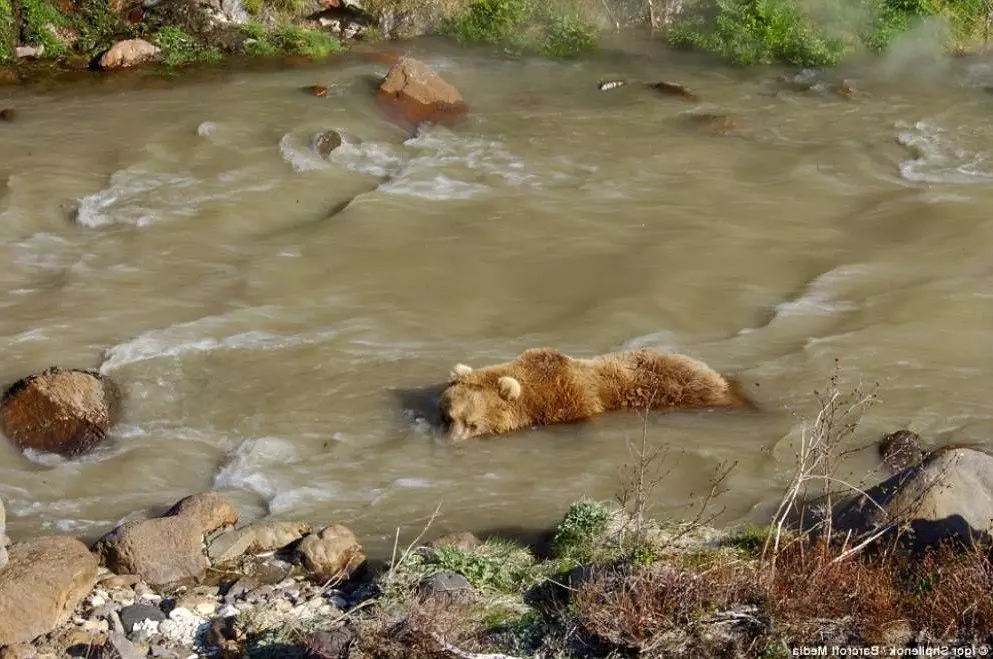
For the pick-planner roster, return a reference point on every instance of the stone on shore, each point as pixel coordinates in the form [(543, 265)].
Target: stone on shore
[(333, 554), (414, 93), (168, 550), (64, 411), (256, 539), (128, 53), (41, 585), (949, 495)]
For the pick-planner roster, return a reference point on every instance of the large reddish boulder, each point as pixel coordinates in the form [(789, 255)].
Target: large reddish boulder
[(64, 411), (415, 94)]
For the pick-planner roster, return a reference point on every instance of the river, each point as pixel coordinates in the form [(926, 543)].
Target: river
[(178, 234)]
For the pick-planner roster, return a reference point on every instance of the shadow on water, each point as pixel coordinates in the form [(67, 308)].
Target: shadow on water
[(422, 402)]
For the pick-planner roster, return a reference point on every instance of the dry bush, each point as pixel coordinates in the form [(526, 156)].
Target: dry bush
[(808, 587), (416, 629), (663, 607), (950, 593)]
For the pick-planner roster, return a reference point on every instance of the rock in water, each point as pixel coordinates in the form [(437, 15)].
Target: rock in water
[(325, 143), (130, 52), (900, 450), (415, 94), (675, 89), (64, 411), (8, 114), (168, 550), (41, 586), (333, 554), (319, 91), (948, 495)]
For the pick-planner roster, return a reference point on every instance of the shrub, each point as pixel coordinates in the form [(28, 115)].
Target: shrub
[(290, 39), (758, 32), (6, 31), (580, 531), (39, 20), (523, 26), (179, 48)]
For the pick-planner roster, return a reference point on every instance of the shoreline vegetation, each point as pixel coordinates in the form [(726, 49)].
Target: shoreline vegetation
[(78, 34), (900, 568)]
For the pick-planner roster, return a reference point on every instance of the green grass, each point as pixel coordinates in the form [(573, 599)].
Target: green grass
[(495, 566), (6, 32), (39, 18), (816, 34), (316, 44), (523, 26), (180, 49)]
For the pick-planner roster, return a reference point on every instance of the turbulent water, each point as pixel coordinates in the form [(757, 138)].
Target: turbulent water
[(282, 345)]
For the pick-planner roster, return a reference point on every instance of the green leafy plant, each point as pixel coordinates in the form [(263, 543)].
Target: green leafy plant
[(579, 532), (523, 26), (40, 20), (179, 48), (6, 31), (497, 565)]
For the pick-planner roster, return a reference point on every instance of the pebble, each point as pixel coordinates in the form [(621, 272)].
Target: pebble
[(283, 606), (96, 600)]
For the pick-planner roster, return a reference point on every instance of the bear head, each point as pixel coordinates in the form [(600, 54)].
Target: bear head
[(477, 403)]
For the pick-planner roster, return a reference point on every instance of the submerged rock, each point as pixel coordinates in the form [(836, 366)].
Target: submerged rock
[(416, 94), (43, 582), (128, 53), (333, 554), (8, 114), (949, 495), (719, 124), (170, 549), (325, 143), (64, 411), (319, 91), (675, 89)]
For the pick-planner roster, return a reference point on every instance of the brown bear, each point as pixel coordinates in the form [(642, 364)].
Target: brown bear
[(543, 386)]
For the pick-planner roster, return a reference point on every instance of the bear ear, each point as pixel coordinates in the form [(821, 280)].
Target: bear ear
[(460, 371), (510, 389)]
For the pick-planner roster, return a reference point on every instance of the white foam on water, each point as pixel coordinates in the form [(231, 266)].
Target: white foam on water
[(821, 296), (208, 334), (939, 158), (206, 129), (413, 483), (250, 468), (435, 164), (140, 197)]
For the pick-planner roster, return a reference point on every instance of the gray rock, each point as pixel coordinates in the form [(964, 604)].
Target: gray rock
[(132, 615), (326, 142), (125, 649), (256, 539), (334, 644), (450, 585), (949, 495), (900, 450)]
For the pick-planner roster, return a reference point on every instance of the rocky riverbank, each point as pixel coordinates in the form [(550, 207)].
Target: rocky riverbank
[(193, 582)]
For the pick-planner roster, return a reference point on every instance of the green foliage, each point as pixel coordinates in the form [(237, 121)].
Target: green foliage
[(750, 540), (497, 565), (99, 27), (580, 531), (523, 26), (819, 33), (759, 32), (290, 39), (6, 31), (39, 20), (179, 48)]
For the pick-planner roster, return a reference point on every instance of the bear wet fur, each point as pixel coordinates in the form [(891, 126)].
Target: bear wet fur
[(543, 386)]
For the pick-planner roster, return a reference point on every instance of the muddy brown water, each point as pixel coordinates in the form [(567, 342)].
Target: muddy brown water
[(178, 234)]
